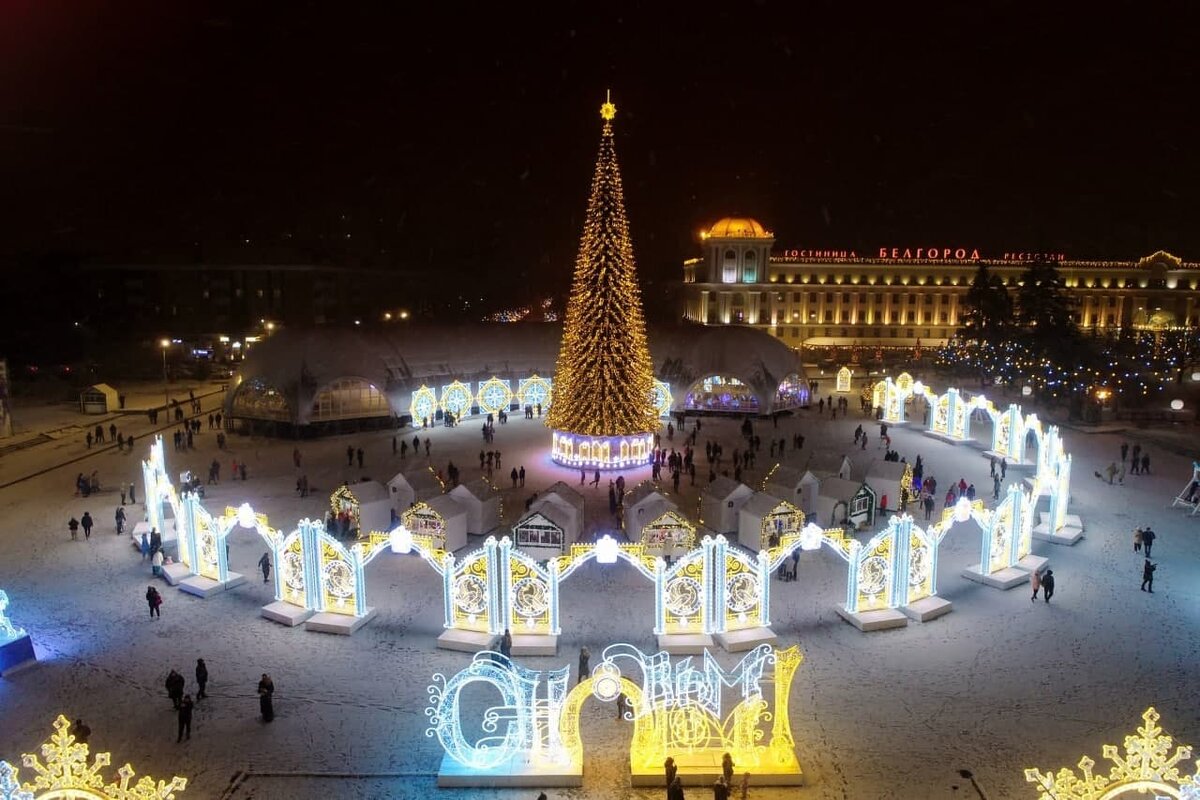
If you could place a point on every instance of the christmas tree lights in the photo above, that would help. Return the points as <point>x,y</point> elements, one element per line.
<point>604,412</point>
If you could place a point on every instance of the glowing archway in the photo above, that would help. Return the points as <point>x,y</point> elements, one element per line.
<point>721,393</point>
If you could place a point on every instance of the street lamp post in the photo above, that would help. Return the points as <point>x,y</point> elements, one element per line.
<point>163,345</point>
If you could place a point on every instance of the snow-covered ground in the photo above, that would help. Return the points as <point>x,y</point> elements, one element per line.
<point>998,685</point>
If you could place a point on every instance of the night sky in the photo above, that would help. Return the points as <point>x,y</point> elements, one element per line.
<point>458,141</point>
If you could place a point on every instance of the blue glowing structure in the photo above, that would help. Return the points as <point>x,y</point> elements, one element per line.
<point>16,648</point>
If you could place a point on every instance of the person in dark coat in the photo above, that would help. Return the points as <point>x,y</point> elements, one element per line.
<point>506,644</point>
<point>727,769</point>
<point>154,600</point>
<point>80,731</point>
<point>264,564</point>
<point>73,526</point>
<point>175,684</point>
<point>584,668</point>
<point>119,516</point>
<point>675,790</point>
<point>185,718</point>
<point>86,523</point>
<point>266,693</point>
<point>201,679</point>
<point>155,541</point>
<point>721,789</point>
<point>1148,576</point>
<point>1048,585</point>
<point>1148,537</point>
<point>671,770</point>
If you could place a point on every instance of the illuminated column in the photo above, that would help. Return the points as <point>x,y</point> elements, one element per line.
<point>495,625</point>
<point>951,411</point>
<point>967,414</point>
<point>504,582</point>
<point>448,590</point>
<point>901,557</point>
<point>764,588</point>
<point>1018,519</point>
<point>660,608</point>
<point>714,574</point>
<point>1060,491</point>
<point>310,535</point>
<point>187,536</point>
<point>852,576</point>
<point>555,630</point>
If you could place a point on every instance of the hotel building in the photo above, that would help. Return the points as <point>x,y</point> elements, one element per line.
<point>895,296</point>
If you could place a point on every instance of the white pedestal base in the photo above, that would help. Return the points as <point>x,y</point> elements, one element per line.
<point>928,608</point>
<point>685,644</point>
<point>1032,563</point>
<point>1011,464</point>
<point>176,573</point>
<point>945,437</point>
<point>534,645</point>
<point>16,655</point>
<point>203,587</point>
<point>703,769</point>
<point>515,773</point>
<point>285,613</point>
<point>746,639</point>
<point>341,624</point>
<point>1007,578</point>
<point>1070,533</point>
<point>467,641</point>
<point>879,620</point>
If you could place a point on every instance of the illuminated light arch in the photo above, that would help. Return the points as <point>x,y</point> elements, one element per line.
<point>844,376</point>
<point>741,588</point>
<point>494,395</point>
<point>722,393</point>
<point>62,772</point>
<point>470,596</point>
<point>424,404</point>
<point>1151,762</point>
<point>661,398</point>
<point>872,584</point>
<point>686,605</point>
<point>535,390</point>
<point>457,399</point>
<point>529,594</point>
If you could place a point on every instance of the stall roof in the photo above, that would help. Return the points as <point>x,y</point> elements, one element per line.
<point>446,506</point>
<point>840,488</point>
<point>762,503</point>
<point>369,491</point>
<point>722,488</point>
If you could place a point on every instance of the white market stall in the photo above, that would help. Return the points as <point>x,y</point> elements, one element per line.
<point>843,502</point>
<point>482,502</point>
<point>553,522</point>
<point>443,518</point>
<point>720,502</point>
<point>764,514</point>
<point>408,488</point>
<point>891,482</point>
<point>366,506</point>
<point>99,398</point>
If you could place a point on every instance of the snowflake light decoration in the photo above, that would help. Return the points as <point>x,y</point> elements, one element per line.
<point>63,771</point>
<point>1150,763</point>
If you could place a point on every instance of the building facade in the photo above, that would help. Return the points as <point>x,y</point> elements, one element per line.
<point>895,296</point>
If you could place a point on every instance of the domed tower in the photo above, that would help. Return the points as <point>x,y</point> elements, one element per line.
<point>736,251</point>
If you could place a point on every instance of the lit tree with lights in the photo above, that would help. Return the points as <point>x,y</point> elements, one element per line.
<point>604,380</point>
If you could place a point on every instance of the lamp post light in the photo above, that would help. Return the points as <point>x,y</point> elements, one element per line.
<point>163,345</point>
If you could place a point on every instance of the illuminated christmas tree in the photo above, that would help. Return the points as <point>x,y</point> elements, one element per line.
<point>602,412</point>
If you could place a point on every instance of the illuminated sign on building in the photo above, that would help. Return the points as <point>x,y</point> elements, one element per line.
<point>930,253</point>
<point>913,254</point>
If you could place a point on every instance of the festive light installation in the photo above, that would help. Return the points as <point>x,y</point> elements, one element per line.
<point>662,398</point>
<point>678,709</point>
<point>843,379</point>
<point>535,391</point>
<point>457,399</point>
<point>604,415</point>
<point>1189,495</point>
<point>62,772</point>
<point>494,396</point>
<point>1152,762</point>
<point>8,631</point>
<point>424,404</point>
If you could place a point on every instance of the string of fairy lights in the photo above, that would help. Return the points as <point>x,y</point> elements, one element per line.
<point>1136,364</point>
<point>604,378</point>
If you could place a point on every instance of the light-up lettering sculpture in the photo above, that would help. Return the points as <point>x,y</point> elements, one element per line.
<point>1151,763</point>
<point>62,772</point>
<point>532,726</point>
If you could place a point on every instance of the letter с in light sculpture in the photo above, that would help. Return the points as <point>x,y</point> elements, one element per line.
<point>16,648</point>
<point>62,772</point>
<point>529,734</point>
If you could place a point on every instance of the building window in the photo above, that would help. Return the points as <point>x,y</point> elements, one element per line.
<point>1112,320</point>
<point>944,317</point>
<point>928,317</point>
<point>845,297</point>
<point>895,317</point>
<point>829,297</point>
<point>912,299</point>
<point>828,316</point>
<point>912,317</point>
<point>729,270</point>
<point>749,268</point>
<point>928,299</point>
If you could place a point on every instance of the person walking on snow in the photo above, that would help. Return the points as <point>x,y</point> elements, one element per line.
<point>120,519</point>
<point>1048,585</point>
<point>1137,540</point>
<point>264,564</point>
<point>201,679</point>
<point>185,718</point>
<point>145,548</point>
<point>154,600</point>
<point>86,522</point>
<point>1035,580</point>
<point>584,665</point>
<point>1148,576</point>
<point>266,698</point>
<point>175,683</point>
<point>1148,537</point>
